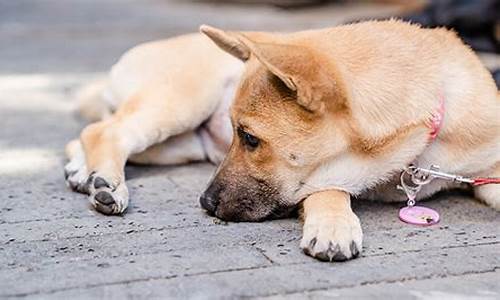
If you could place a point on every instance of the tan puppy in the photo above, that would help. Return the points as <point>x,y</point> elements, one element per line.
<point>318,115</point>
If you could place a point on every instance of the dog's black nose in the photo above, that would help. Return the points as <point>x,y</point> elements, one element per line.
<point>209,200</point>
<point>208,203</point>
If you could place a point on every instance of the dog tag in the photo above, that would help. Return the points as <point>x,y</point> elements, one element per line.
<point>419,215</point>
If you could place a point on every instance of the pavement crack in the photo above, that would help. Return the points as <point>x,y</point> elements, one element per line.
<point>263,253</point>
<point>112,233</point>
<point>432,248</point>
<point>120,282</point>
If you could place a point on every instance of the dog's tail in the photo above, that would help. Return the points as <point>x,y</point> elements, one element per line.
<point>91,101</point>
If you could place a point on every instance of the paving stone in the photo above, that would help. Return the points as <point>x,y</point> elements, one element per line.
<point>276,280</point>
<point>483,286</point>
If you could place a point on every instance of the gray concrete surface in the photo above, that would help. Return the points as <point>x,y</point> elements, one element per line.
<point>53,245</point>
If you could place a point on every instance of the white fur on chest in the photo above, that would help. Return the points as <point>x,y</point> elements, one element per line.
<point>355,174</point>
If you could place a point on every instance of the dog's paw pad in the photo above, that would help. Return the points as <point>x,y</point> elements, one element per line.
<point>105,196</point>
<point>99,182</point>
<point>105,203</point>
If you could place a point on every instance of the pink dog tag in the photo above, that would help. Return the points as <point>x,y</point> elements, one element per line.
<point>419,215</point>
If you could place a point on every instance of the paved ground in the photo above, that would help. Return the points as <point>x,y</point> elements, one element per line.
<point>52,245</point>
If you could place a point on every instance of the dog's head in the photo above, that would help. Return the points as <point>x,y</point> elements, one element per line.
<point>287,119</point>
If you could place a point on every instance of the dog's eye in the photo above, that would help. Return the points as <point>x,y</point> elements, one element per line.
<point>248,140</point>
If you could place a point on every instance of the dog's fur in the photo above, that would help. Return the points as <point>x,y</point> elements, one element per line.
<point>318,116</point>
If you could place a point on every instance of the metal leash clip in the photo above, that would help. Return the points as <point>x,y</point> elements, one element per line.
<point>434,172</point>
<point>413,178</point>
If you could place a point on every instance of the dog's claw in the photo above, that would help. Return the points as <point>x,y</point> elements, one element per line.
<point>354,249</point>
<point>68,174</point>
<point>312,243</point>
<point>105,203</point>
<point>333,253</point>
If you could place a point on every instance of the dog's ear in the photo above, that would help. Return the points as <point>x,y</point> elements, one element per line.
<point>227,41</point>
<point>301,70</point>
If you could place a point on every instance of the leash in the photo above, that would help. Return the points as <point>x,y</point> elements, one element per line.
<point>485,180</point>
<point>413,178</point>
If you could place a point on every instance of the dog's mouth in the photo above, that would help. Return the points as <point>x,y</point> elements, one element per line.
<point>282,212</point>
<point>258,213</point>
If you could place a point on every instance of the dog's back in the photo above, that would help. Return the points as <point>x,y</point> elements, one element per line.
<point>178,61</point>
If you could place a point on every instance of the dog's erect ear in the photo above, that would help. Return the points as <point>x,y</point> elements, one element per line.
<point>302,71</point>
<point>299,69</point>
<point>227,41</point>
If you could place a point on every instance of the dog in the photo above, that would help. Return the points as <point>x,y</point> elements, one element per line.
<point>307,119</point>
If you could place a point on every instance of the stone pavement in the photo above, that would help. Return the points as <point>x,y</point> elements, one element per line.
<point>53,245</point>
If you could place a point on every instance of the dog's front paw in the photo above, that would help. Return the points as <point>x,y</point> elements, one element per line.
<point>106,197</point>
<point>76,175</point>
<point>332,238</point>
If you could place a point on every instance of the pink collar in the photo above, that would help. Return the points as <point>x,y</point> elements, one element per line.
<point>436,121</point>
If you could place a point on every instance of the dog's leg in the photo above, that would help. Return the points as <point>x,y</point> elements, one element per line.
<point>332,231</point>
<point>152,116</point>
<point>105,149</point>
<point>490,193</point>
<point>179,149</point>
